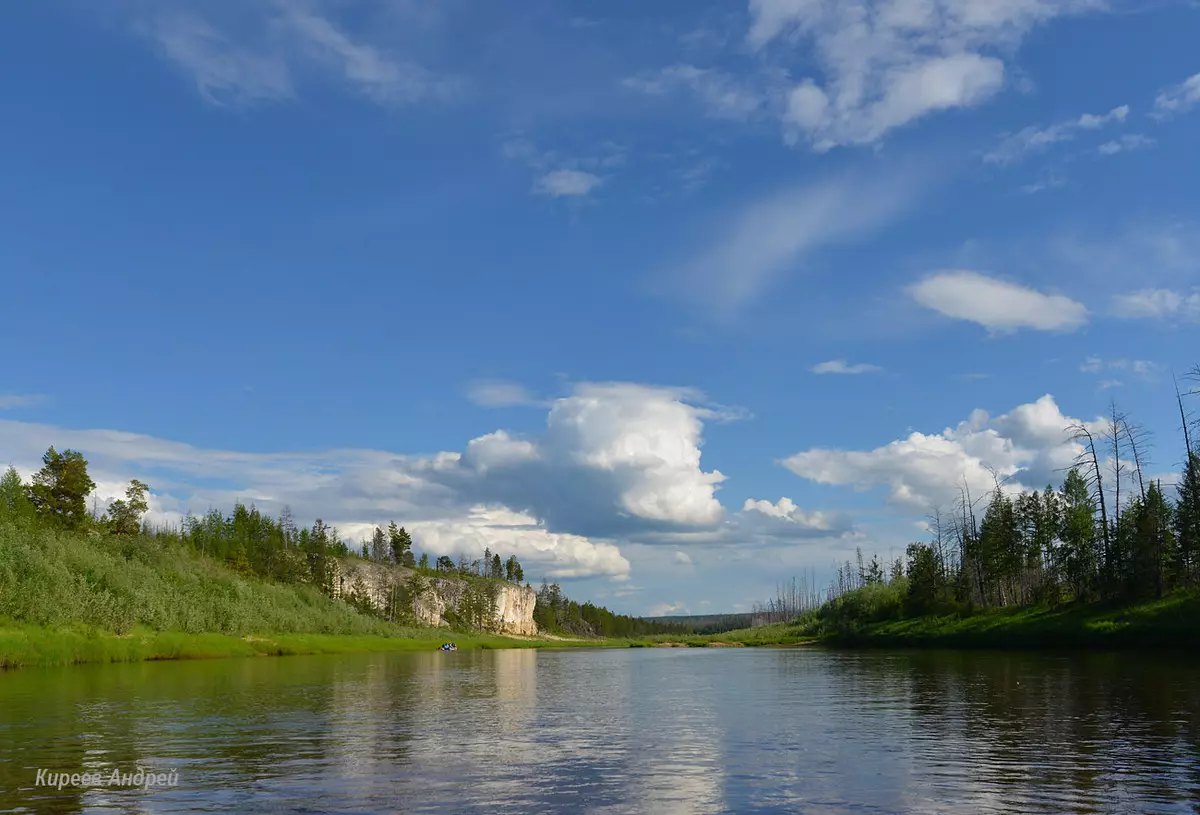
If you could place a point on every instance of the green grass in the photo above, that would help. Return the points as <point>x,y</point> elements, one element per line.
<point>68,598</point>
<point>27,646</point>
<point>1170,623</point>
<point>58,579</point>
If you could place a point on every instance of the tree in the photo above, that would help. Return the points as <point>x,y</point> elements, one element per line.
<point>445,564</point>
<point>60,489</point>
<point>496,568</point>
<point>423,564</point>
<point>14,502</point>
<point>401,545</point>
<point>1078,533</point>
<point>512,570</point>
<point>125,515</point>
<point>378,546</point>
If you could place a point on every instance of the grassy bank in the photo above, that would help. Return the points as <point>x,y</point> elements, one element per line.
<point>1172,623</point>
<point>28,646</point>
<point>74,597</point>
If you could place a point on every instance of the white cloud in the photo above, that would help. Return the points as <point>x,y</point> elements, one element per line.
<point>1178,98</point>
<point>500,393</point>
<point>1126,144</point>
<point>1029,446</point>
<point>722,96</point>
<point>886,63</point>
<point>1157,304</point>
<point>683,558</point>
<point>9,401</point>
<point>786,520</point>
<point>556,555</point>
<point>840,366</point>
<point>1033,139</point>
<point>668,609</point>
<point>566,183</point>
<point>265,49</point>
<point>997,305</point>
<point>1143,368</point>
<point>768,238</point>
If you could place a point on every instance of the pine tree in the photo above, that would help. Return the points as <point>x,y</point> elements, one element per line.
<point>378,546</point>
<point>60,489</point>
<point>14,502</point>
<point>401,545</point>
<point>125,515</point>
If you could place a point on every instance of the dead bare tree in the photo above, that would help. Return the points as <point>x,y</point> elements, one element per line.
<point>1112,434</point>
<point>1139,440</point>
<point>1089,459</point>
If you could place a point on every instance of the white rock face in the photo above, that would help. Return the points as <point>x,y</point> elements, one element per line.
<point>512,613</point>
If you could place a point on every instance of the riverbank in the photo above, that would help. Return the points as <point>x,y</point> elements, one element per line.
<point>1172,623</point>
<point>35,646</point>
<point>1169,624</point>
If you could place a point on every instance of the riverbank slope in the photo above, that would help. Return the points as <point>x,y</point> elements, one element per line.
<point>1169,624</point>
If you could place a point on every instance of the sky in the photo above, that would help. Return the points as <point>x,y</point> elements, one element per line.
<point>672,300</point>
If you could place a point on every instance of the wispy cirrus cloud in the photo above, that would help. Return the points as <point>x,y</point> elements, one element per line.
<point>1033,139</point>
<point>265,51</point>
<point>501,393</point>
<point>768,238</point>
<point>10,401</point>
<point>840,366</point>
<point>721,95</point>
<point>1158,304</point>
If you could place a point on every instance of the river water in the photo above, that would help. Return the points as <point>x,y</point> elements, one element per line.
<point>612,731</point>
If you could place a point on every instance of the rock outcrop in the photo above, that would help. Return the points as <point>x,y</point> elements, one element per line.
<point>506,608</point>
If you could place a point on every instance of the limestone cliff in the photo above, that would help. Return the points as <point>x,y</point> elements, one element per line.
<point>492,605</point>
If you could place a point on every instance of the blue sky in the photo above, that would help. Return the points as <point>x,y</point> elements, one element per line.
<point>672,300</point>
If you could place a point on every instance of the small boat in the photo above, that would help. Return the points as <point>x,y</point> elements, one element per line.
<point>449,646</point>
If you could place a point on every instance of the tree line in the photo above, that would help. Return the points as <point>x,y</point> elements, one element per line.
<point>1108,532</point>
<point>558,614</point>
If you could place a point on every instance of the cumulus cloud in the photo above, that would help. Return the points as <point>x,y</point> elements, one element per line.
<point>721,95</point>
<point>997,305</point>
<point>566,183</point>
<point>1033,139</point>
<point>557,555</point>
<point>840,366</point>
<point>616,462</point>
<point>1157,304</point>
<point>1025,448</point>
<point>1178,98</point>
<point>887,63</point>
<point>768,238</point>
<point>263,51</point>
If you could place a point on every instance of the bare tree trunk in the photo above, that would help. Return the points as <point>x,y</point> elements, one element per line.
<point>1080,433</point>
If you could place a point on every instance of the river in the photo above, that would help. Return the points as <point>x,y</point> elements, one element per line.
<point>610,731</point>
